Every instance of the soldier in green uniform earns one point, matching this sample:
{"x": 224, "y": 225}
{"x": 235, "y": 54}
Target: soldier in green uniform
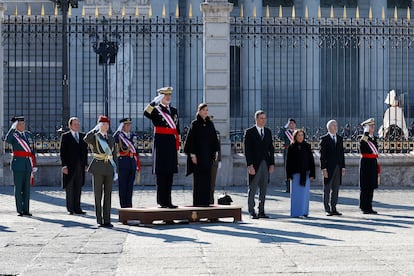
{"x": 286, "y": 135}
{"x": 23, "y": 163}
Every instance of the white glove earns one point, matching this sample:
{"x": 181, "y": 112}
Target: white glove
{"x": 115, "y": 176}
{"x": 366, "y": 128}
{"x": 13, "y": 126}
{"x": 98, "y": 126}
{"x": 34, "y": 169}
{"x": 219, "y": 165}
{"x": 158, "y": 98}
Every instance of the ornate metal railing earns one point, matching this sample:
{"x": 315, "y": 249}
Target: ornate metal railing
{"x": 309, "y": 69}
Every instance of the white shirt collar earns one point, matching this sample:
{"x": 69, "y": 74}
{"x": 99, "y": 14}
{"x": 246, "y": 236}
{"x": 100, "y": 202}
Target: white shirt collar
{"x": 259, "y": 129}
{"x": 332, "y": 135}
{"x": 103, "y": 134}
{"x": 73, "y": 133}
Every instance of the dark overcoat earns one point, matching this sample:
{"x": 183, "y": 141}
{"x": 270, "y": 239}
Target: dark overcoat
{"x": 202, "y": 141}
{"x": 164, "y": 152}
{"x": 300, "y": 160}
{"x": 368, "y": 169}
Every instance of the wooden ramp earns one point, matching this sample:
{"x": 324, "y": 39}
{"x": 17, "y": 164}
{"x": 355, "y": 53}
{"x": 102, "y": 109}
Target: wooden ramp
{"x": 190, "y": 213}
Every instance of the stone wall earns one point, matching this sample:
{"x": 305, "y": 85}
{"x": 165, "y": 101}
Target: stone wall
{"x": 397, "y": 170}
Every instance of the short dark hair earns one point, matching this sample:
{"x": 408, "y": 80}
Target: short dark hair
{"x": 258, "y": 113}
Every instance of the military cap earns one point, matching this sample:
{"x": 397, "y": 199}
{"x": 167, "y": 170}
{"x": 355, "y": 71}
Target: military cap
{"x": 125, "y": 120}
{"x": 103, "y": 119}
{"x": 165, "y": 90}
{"x": 368, "y": 122}
{"x": 17, "y": 118}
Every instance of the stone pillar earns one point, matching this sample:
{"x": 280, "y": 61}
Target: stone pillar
{"x": 2, "y": 10}
{"x": 310, "y": 64}
{"x": 216, "y": 75}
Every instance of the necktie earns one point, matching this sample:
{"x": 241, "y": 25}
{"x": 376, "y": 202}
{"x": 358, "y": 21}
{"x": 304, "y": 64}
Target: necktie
{"x": 77, "y": 137}
{"x": 334, "y": 139}
{"x": 261, "y": 133}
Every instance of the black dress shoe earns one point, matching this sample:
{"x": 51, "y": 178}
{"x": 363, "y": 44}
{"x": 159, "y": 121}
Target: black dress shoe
{"x": 80, "y": 212}
{"x": 108, "y": 225}
{"x": 163, "y": 206}
{"x": 70, "y": 213}
{"x": 336, "y": 213}
{"x": 253, "y": 216}
{"x": 329, "y": 214}
{"x": 27, "y": 214}
{"x": 172, "y": 206}
{"x": 263, "y": 215}
{"x": 20, "y": 214}
{"x": 372, "y": 212}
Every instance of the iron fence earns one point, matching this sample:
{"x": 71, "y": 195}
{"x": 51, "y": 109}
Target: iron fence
{"x": 310, "y": 69}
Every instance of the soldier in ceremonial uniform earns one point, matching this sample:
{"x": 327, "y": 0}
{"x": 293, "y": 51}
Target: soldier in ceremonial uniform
{"x": 103, "y": 167}
{"x": 128, "y": 162}
{"x": 369, "y": 168}
{"x": 165, "y": 145}
{"x": 23, "y": 163}
{"x": 286, "y": 135}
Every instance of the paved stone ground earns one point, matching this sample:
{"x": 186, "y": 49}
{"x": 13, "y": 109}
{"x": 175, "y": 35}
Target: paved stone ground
{"x": 54, "y": 243}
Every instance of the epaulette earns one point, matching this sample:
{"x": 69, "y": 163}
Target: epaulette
{"x": 149, "y": 109}
{"x": 364, "y": 138}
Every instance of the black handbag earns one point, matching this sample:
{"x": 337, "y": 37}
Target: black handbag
{"x": 224, "y": 199}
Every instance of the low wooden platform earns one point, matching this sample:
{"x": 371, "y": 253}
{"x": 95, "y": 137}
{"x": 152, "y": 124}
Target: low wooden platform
{"x": 190, "y": 213}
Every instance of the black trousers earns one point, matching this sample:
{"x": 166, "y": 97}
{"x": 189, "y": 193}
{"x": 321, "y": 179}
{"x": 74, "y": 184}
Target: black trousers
{"x": 74, "y": 189}
{"x": 126, "y": 180}
{"x": 164, "y": 186}
{"x": 365, "y": 199}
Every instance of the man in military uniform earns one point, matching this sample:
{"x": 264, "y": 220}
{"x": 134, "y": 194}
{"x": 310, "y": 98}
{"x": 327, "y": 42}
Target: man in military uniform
{"x": 165, "y": 145}
{"x": 23, "y": 163}
{"x": 286, "y": 135}
{"x": 128, "y": 162}
{"x": 103, "y": 168}
{"x": 369, "y": 169}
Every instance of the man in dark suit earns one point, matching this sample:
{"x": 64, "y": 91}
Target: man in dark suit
{"x": 23, "y": 164}
{"x": 260, "y": 159}
{"x": 332, "y": 165}
{"x": 166, "y": 141}
{"x": 74, "y": 157}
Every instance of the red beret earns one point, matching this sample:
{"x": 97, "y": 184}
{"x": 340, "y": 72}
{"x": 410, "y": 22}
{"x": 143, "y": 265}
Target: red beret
{"x": 103, "y": 119}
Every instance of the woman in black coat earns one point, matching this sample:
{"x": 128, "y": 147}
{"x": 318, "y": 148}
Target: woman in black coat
{"x": 201, "y": 147}
{"x": 300, "y": 169}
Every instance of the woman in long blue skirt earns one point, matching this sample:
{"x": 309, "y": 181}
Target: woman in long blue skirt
{"x": 300, "y": 169}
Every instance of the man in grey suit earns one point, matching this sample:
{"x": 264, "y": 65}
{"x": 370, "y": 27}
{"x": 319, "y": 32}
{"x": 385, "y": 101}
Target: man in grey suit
{"x": 103, "y": 168}
{"x": 332, "y": 165}
{"x": 260, "y": 159}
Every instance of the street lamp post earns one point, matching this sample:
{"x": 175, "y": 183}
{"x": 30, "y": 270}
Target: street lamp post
{"x": 64, "y": 7}
{"x": 106, "y": 50}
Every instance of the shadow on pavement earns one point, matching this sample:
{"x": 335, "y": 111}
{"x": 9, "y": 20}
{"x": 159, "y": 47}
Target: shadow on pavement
{"x": 5, "y": 229}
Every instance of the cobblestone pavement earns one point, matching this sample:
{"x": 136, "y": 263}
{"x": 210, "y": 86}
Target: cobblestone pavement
{"x": 55, "y": 243}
